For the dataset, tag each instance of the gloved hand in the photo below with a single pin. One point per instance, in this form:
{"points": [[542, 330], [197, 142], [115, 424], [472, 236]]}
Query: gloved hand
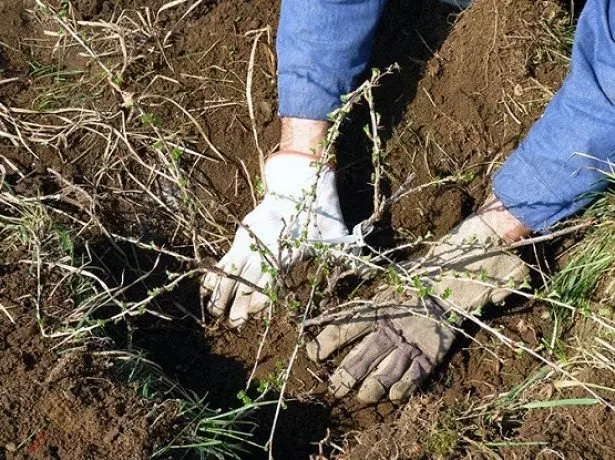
{"points": [[300, 204], [409, 335]]}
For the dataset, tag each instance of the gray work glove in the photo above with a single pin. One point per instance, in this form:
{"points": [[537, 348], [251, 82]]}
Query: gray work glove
{"points": [[405, 335]]}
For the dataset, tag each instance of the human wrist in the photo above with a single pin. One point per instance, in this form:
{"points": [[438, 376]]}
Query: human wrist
{"points": [[303, 136], [495, 215]]}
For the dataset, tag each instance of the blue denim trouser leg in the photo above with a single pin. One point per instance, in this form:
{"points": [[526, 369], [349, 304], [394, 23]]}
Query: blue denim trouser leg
{"points": [[565, 150]]}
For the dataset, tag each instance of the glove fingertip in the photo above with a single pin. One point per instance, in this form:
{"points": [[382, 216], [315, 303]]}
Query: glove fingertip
{"points": [[238, 313], [401, 391], [214, 309], [341, 383], [208, 283], [324, 344], [371, 391], [258, 303], [420, 369], [238, 322], [333, 337], [312, 349]]}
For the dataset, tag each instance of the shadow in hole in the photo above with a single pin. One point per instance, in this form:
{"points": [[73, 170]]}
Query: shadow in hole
{"points": [[182, 349], [409, 34]]}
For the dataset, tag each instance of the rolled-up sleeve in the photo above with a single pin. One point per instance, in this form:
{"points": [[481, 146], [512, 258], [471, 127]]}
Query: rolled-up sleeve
{"points": [[563, 157], [323, 46]]}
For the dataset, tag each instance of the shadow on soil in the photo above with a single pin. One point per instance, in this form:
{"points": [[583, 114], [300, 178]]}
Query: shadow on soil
{"points": [[409, 34], [180, 346]]}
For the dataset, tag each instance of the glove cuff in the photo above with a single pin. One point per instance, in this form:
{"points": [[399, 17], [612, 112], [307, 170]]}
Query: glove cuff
{"points": [[314, 157], [471, 251], [296, 183], [293, 174]]}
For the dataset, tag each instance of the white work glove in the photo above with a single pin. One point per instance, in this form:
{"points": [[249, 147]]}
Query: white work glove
{"points": [[301, 202], [407, 336]]}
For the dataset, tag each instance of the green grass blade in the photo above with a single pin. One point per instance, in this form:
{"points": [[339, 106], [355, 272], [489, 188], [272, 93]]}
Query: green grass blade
{"points": [[560, 403], [514, 443]]}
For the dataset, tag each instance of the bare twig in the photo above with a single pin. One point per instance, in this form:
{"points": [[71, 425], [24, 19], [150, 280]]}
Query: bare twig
{"points": [[249, 80], [306, 312]]}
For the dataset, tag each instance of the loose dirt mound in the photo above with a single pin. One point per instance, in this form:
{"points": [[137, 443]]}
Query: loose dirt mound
{"points": [[481, 92]]}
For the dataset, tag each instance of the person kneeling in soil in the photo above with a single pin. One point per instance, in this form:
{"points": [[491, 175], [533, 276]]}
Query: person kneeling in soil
{"points": [[323, 47]]}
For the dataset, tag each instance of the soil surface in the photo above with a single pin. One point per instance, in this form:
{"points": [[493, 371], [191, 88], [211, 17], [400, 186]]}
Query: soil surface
{"points": [[71, 405], [469, 88]]}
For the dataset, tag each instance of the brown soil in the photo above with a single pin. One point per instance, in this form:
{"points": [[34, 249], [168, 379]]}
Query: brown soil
{"points": [[470, 109], [444, 422], [467, 92], [577, 432], [69, 406]]}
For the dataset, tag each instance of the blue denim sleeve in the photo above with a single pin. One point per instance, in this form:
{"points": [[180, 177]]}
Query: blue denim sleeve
{"points": [[565, 151], [322, 46]]}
